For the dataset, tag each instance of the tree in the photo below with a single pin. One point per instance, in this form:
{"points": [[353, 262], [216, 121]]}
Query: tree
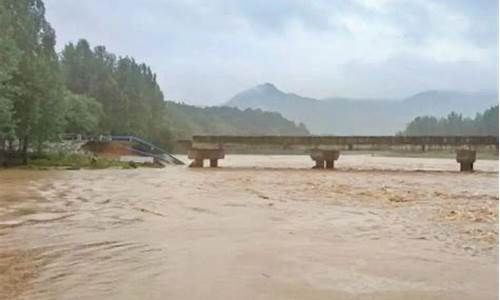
{"points": [[9, 59], [455, 124], [186, 120], [78, 67], [82, 113], [488, 124], [36, 89], [131, 99]]}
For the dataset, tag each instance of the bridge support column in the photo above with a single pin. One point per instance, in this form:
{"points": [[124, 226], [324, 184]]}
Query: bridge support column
{"points": [[197, 163], [320, 164], [330, 164], [199, 155], [466, 158], [324, 156], [214, 163]]}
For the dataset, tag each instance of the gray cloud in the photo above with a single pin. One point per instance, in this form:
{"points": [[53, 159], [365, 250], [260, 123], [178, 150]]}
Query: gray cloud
{"points": [[409, 75], [205, 51]]}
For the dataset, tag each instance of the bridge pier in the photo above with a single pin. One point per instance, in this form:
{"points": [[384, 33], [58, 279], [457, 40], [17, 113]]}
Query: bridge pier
{"points": [[324, 158], [330, 164], [466, 158], [320, 164], [197, 163], [214, 163], [199, 155]]}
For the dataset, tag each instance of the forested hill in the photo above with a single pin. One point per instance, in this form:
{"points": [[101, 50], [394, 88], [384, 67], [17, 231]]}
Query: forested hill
{"points": [[455, 124], [186, 120]]}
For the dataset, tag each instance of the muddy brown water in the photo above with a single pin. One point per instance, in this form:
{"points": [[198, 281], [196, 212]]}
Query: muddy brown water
{"points": [[261, 227]]}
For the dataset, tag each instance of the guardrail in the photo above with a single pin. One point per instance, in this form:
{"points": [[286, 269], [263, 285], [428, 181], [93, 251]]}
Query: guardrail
{"points": [[162, 154]]}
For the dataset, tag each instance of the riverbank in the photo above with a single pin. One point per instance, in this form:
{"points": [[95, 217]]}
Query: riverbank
{"points": [[75, 161]]}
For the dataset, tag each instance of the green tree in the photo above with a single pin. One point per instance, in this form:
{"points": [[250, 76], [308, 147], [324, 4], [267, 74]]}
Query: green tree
{"points": [[9, 59], [82, 113], [131, 99], [36, 89], [78, 67], [186, 120], [455, 124], [488, 121]]}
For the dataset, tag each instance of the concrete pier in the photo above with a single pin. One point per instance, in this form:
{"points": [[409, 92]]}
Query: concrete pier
{"points": [[324, 158], [466, 159], [197, 163], [214, 163], [320, 164], [199, 155]]}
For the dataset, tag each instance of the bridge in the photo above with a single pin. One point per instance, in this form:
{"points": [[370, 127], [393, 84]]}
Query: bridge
{"points": [[325, 150]]}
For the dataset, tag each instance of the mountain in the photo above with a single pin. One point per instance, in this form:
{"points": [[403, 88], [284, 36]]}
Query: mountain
{"points": [[267, 94], [348, 116], [443, 102], [187, 120]]}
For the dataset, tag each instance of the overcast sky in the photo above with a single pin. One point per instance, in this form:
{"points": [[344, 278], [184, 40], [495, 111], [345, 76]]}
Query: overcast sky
{"points": [[205, 51]]}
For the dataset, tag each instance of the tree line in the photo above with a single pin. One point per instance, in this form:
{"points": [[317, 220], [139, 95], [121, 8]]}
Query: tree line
{"points": [[485, 124], [89, 90], [186, 120]]}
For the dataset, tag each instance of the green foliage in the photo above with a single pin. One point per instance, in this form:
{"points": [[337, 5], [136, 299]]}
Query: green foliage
{"points": [[487, 123], [33, 85], [73, 161], [186, 120], [9, 59], [131, 99], [455, 124], [6, 119], [82, 113]]}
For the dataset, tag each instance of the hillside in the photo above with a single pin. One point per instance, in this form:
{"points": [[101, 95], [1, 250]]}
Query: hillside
{"points": [[186, 120], [485, 124], [347, 116]]}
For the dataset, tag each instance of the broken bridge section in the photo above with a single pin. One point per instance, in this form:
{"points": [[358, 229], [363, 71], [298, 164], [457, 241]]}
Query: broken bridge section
{"points": [[325, 150]]}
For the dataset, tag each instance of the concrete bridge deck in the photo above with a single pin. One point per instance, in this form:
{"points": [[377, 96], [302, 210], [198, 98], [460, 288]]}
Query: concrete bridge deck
{"points": [[325, 150]]}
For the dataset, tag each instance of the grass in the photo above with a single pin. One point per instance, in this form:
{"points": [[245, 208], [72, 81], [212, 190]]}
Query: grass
{"points": [[75, 162]]}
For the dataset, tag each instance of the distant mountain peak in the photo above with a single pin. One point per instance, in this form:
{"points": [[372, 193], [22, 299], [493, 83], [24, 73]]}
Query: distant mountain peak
{"points": [[265, 96], [267, 88]]}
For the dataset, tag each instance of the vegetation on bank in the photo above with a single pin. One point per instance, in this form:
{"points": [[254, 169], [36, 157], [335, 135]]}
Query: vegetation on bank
{"points": [[78, 161], [485, 124], [186, 120], [81, 90]]}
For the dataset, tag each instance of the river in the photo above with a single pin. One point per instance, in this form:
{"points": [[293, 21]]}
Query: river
{"points": [[260, 227]]}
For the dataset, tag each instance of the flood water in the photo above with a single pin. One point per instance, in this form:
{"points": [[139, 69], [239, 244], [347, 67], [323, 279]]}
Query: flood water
{"points": [[260, 227]]}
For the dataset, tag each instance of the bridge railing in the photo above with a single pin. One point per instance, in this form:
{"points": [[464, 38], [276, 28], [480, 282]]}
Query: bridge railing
{"points": [[350, 142], [160, 154]]}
